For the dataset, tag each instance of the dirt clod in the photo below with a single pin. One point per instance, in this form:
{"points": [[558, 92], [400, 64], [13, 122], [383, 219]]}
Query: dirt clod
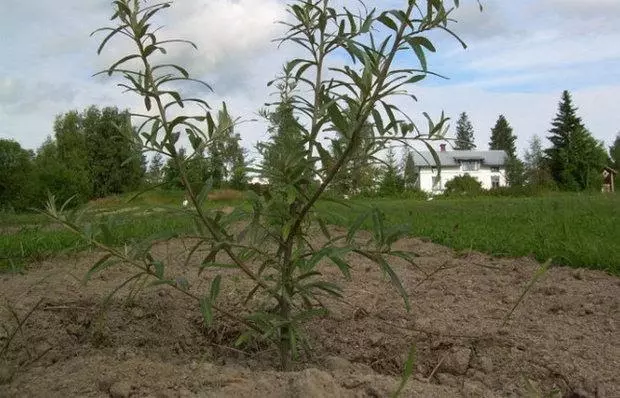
{"points": [[313, 383], [121, 389], [473, 389], [457, 361], [104, 383], [486, 364], [337, 363], [6, 373], [447, 379]]}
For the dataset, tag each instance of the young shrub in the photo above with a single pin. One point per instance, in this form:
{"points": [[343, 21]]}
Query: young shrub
{"points": [[321, 96], [465, 185]]}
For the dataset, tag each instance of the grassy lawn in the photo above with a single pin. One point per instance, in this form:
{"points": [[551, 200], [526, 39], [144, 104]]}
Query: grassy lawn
{"points": [[574, 230], [31, 237]]}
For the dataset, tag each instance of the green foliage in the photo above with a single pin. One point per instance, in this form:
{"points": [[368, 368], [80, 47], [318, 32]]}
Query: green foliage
{"points": [[72, 154], [155, 172], [410, 173], [226, 157], [502, 137], [17, 188], [56, 176], [577, 230], [392, 183], [464, 134], [515, 171], [196, 170], [115, 163], [575, 159], [537, 172], [614, 153], [272, 249], [284, 154], [360, 171], [519, 191], [94, 155], [464, 185]]}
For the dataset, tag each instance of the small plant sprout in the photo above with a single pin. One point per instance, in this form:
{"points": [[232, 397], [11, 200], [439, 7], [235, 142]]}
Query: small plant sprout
{"points": [[354, 64]]}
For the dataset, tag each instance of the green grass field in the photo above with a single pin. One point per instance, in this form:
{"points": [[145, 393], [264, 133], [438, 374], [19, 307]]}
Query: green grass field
{"points": [[574, 230]]}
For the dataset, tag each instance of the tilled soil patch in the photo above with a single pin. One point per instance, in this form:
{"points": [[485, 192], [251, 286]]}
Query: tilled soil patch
{"points": [[562, 337]]}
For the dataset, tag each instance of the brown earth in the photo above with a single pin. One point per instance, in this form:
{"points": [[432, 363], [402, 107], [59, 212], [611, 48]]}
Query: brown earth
{"points": [[563, 336]]}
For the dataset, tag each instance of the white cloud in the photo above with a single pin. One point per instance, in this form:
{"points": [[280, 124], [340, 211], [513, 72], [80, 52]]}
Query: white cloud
{"points": [[528, 113], [227, 32], [531, 42]]}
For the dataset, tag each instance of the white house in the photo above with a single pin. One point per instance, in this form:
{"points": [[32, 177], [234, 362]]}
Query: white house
{"points": [[488, 167]]}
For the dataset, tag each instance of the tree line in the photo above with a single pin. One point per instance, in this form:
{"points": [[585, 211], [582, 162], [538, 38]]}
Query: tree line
{"points": [[97, 153], [90, 155], [573, 162]]}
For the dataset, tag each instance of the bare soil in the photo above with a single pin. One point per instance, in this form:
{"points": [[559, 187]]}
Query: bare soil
{"points": [[562, 337]]}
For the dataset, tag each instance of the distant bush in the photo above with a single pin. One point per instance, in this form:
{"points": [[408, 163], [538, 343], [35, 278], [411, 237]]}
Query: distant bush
{"points": [[521, 191], [413, 194], [226, 194], [464, 186]]}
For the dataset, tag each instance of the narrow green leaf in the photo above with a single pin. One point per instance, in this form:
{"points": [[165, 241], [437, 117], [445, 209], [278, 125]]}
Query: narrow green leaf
{"points": [[342, 265], [422, 41], [356, 226], [407, 371], [387, 21], [336, 117], [206, 310], [378, 259], [99, 266], [215, 288], [542, 270], [120, 62], [159, 269]]}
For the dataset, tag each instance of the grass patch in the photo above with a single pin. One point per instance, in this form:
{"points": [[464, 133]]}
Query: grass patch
{"points": [[574, 230], [31, 237]]}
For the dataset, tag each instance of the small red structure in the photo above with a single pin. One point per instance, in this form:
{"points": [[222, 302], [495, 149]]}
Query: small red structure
{"points": [[609, 175]]}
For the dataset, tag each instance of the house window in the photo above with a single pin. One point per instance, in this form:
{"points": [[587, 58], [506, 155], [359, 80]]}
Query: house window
{"points": [[470, 165], [495, 169], [437, 183], [494, 181]]}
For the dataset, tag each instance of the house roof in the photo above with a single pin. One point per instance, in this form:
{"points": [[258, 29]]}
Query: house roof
{"points": [[609, 169], [452, 158]]}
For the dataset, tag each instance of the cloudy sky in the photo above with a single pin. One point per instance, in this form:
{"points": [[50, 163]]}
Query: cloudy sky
{"points": [[520, 56]]}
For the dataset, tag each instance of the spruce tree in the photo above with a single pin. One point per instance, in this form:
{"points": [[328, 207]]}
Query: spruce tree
{"points": [[614, 153], [575, 158], [156, 169], [536, 168], [502, 137], [392, 182], [464, 134], [410, 174]]}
